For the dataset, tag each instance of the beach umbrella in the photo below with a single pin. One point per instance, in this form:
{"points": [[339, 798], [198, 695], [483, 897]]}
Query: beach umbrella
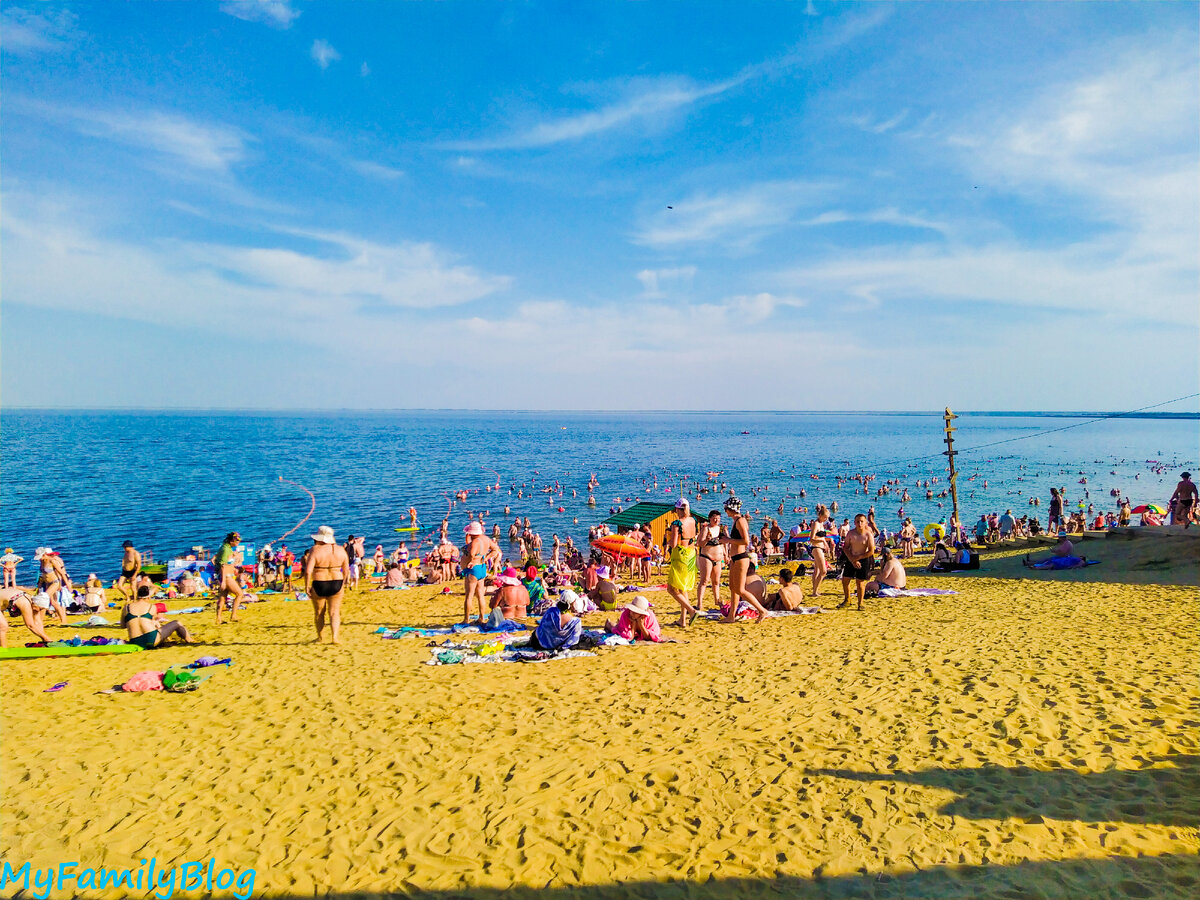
{"points": [[1150, 507], [621, 545]]}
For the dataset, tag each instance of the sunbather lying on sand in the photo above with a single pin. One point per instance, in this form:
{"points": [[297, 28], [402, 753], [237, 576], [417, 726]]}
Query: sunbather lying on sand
{"points": [[1057, 563]]}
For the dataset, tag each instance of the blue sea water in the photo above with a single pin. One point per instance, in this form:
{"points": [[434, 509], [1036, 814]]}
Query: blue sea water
{"points": [[83, 482]]}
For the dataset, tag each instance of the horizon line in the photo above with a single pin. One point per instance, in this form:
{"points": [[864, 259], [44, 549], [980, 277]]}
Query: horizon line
{"points": [[580, 411]]}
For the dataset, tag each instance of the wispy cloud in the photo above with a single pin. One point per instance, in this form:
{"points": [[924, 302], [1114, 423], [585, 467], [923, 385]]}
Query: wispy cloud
{"points": [[196, 144], [736, 217], [1120, 144], [58, 257], [26, 32], [875, 125], [642, 99], [648, 99], [409, 275], [376, 170], [1096, 277], [887, 216], [323, 53], [276, 13]]}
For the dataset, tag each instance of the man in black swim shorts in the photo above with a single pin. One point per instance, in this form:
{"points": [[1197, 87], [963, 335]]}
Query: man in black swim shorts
{"points": [[1185, 500], [858, 555]]}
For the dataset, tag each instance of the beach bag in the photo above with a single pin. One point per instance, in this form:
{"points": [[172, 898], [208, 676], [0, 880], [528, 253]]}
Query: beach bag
{"points": [[178, 679], [144, 681]]}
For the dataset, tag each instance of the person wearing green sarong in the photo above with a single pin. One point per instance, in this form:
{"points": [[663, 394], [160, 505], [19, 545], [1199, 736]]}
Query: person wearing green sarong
{"points": [[681, 572]]}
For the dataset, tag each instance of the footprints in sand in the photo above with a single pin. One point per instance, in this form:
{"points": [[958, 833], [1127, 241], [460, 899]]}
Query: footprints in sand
{"points": [[1059, 729]]}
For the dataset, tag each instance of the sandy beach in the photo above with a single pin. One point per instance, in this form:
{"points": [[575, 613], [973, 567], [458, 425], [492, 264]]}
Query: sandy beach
{"points": [[1022, 738]]}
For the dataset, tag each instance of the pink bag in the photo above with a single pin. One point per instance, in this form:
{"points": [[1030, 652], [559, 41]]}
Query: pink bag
{"points": [[144, 681]]}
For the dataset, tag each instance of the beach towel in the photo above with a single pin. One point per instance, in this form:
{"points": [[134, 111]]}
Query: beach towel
{"points": [[914, 592], [408, 631], [442, 657], [1064, 562], [681, 573], [144, 681], [746, 611], [205, 661]]}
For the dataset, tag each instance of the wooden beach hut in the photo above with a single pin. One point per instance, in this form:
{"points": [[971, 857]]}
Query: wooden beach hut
{"points": [[658, 516]]}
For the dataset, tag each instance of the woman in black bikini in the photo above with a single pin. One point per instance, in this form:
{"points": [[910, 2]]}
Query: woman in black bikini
{"points": [[711, 558], [818, 546], [326, 571], [138, 617], [738, 548]]}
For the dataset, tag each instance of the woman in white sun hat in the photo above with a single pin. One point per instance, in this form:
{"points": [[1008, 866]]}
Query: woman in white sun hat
{"points": [[637, 622], [326, 572], [479, 554]]}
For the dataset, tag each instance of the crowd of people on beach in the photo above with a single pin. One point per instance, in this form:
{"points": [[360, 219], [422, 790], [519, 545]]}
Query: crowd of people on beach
{"points": [[698, 553]]}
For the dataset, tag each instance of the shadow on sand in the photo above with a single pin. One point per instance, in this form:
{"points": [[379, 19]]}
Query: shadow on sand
{"points": [[1076, 879], [1168, 795]]}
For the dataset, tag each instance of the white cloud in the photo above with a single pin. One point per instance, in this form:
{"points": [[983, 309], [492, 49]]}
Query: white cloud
{"points": [[364, 70], [376, 170], [655, 282], [26, 32], [1114, 151], [1097, 277], [1120, 145], [413, 275], [55, 257], [758, 307], [276, 13], [736, 217], [324, 53]]}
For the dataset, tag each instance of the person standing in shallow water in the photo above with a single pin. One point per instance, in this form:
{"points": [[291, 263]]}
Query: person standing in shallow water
{"points": [[326, 571], [131, 567], [1184, 500]]}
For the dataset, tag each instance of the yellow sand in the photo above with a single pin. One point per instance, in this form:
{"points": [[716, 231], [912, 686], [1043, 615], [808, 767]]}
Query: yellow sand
{"points": [[1024, 738]]}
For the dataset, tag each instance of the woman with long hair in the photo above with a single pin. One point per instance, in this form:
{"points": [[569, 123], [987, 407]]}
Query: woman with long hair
{"points": [[818, 545], [711, 559], [738, 547]]}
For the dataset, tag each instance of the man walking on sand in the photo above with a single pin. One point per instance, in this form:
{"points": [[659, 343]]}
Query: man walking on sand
{"points": [[858, 554], [1184, 499]]}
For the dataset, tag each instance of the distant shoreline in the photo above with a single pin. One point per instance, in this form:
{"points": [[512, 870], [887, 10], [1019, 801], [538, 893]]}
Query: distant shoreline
{"points": [[242, 411]]}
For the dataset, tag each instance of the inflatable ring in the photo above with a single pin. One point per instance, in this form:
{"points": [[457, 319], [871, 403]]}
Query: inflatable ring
{"points": [[934, 532]]}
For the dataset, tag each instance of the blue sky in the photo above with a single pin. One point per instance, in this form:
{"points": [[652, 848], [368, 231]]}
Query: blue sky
{"points": [[685, 206]]}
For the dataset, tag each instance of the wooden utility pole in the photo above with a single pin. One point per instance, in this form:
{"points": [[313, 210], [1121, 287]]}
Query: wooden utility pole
{"points": [[950, 453]]}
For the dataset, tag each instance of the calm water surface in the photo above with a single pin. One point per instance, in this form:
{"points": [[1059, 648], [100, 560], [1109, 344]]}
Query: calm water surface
{"points": [[82, 482]]}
